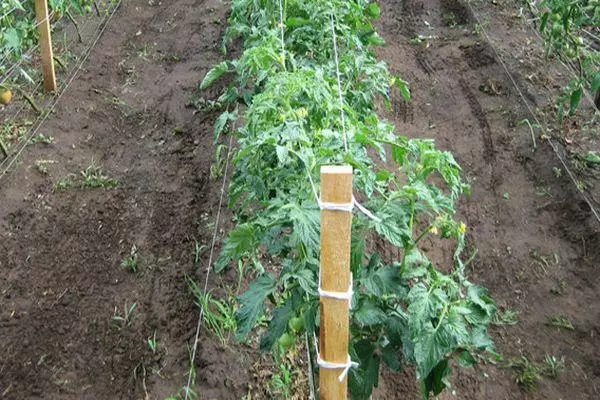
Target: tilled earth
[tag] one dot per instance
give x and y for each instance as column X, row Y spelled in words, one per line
column 61, row 280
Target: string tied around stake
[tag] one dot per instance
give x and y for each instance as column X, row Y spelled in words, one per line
column 343, row 296
column 329, row 365
column 347, row 207
column 345, row 367
column 346, row 296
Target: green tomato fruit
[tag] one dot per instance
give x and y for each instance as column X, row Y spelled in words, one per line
column 286, row 341
column 296, row 324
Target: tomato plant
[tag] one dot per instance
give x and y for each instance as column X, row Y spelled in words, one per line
column 570, row 28
column 406, row 310
column 18, row 31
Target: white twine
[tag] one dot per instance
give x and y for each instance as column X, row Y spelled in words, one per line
column 339, row 82
column 281, row 27
column 345, row 207
column 331, row 365
column 346, row 296
column 366, row 212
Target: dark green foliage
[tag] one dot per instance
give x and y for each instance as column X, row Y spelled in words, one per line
column 405, row 311
column 566, row 27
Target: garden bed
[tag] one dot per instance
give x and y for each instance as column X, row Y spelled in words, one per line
column 128, row 112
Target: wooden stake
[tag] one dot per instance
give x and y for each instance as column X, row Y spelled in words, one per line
column 336, row 187
column 41, row 14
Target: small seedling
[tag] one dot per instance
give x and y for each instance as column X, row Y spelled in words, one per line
column 131, row 261
column 554, row 366
column 283, row 380
column 506, row 317
column 562, row 288
column 144, row 51
column 532, row 128
column 198, row 249
column 152, row 343
column 557, row 172
column 219, row 315
column 40, row 138
column 63, row 184
column 449, row 19
column 204, row 105
column 94, row 177
column 543, row 191
column 544, row 261
column 217, row 168
column 124, row 320
column 42, row 166
column 527, row 374
column 187, row 392
column 592, row 157
column 560, row 321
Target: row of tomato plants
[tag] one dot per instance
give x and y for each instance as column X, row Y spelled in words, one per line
column 406, row 310
column 570, row 30
column 18, row 30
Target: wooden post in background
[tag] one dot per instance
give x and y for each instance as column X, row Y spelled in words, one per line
column 336, row 187
column 41, row 14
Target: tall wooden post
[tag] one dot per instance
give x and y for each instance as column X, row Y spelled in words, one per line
column 336, row 188
column 41, row 14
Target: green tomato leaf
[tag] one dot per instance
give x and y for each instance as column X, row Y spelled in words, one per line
column 596, row 82
column 366, row 376
column 222, row 123
column 278, row 325
column 374, row 39
column 12, row 40
column 369, row 313
column 383, row 281
column 241, row 241
column 404, row 88
column 544, row 21
column 373, row 11
column 481, row 340
column 282, row 154
column 592, row 157
column 479, row 297
column 215, row 73
column 423, row 305
column 394, row 224
column 466, row 359
column 357, row 253
column 574, row 100
column 306, row 225
column 431, row 346
column 396, row 329
column 252, row 304
column 391, row 356
column 436, row 381
column 415, row 264
column 295, row 22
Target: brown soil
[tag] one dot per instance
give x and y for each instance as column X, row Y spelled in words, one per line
column 61, row 281
column 520, row 213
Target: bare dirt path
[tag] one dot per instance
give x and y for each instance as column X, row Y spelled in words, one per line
column 61, row 282
column 537, row 240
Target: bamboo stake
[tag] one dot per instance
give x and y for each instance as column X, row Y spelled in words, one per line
column 336, row 187
column 41, row 14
